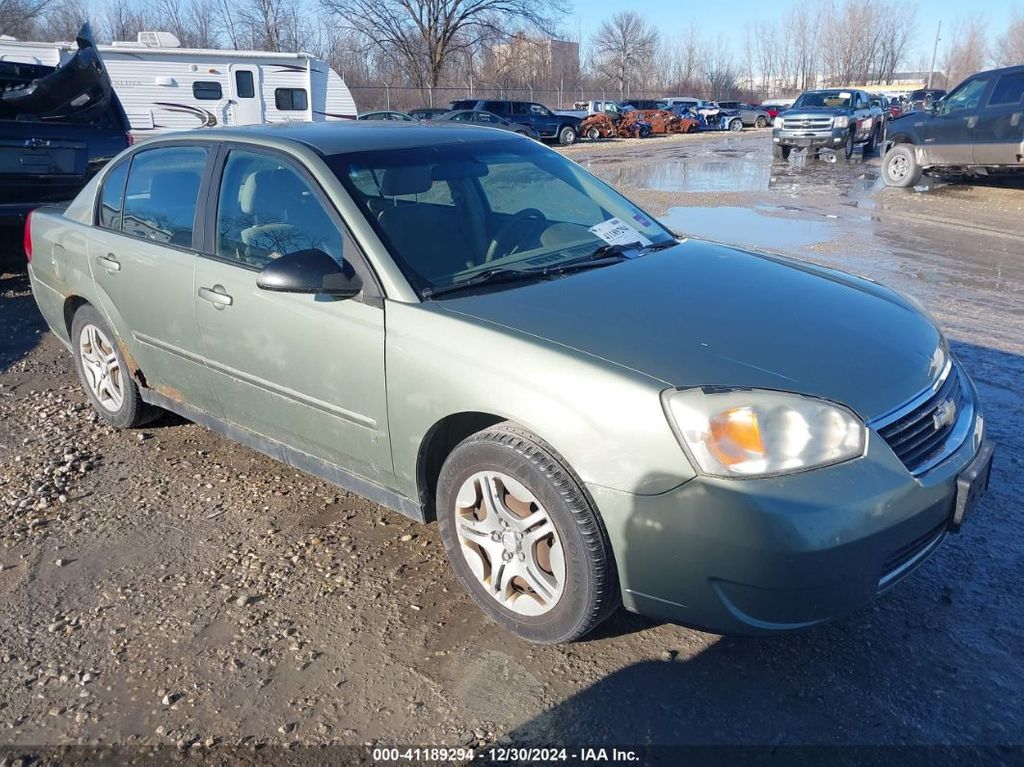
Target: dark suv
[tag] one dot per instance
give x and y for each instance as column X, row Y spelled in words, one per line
column 58, row 126
column 550, row 126
column 977, row 128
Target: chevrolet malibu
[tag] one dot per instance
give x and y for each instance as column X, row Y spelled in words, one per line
column 462, row 325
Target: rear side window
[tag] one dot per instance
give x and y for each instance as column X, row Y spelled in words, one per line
column 161, row 194
column 291, row 99
column 244, row 84
column 1009, row 90
column 207, row 91
column 112, row 198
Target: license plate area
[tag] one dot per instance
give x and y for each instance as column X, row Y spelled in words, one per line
column 971, row 484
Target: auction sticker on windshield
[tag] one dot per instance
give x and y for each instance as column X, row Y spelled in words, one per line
column 614, row 231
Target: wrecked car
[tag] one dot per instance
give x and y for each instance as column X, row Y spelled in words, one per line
column 465, row 326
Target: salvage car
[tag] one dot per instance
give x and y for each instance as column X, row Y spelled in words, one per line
column 58, row 127
column 467, row 327
column 835, row 119
column 486, row 119
column 978, row 129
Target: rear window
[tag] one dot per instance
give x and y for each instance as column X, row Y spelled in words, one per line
column 207, row 91
column 161, row 194
column 291, row 99
column 1009, row 90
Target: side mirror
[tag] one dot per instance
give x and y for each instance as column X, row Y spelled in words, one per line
column 309, row 271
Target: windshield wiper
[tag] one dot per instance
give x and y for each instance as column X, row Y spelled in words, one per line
column 486, row 277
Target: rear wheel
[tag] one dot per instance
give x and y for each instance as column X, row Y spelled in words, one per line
column 522, row 537
column 567, row 135
column 900, row 167
column 762, row 122
column 104, row 374
column 593, row 134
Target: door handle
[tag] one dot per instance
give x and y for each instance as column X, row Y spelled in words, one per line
column 109, row 262
column 216, row 296
column 972, row 121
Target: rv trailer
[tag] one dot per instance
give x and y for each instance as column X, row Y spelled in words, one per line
column 164, row 87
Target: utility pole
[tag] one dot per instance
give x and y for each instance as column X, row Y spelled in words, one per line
column 935, row 50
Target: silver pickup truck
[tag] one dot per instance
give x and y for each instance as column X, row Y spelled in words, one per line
column 836, row 119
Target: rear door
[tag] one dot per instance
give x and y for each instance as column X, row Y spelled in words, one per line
column 950, row 130
column 246, row 94
column 999, row 135
column 303, row 370
column 143, row 257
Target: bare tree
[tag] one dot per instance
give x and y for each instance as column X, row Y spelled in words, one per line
column 720, row 71
column 1010, row 47
column 18, row 17
column 622, row 46
column 191, row 21
column 966, row 52
column 124, row 19
column 428, row 36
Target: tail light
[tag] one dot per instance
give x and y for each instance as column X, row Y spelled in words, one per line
column 27, row 242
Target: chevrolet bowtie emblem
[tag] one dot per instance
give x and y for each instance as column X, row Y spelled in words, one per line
column 944, row 415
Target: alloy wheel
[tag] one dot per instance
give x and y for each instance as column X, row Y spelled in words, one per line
column 510, row 543
column 102, row 369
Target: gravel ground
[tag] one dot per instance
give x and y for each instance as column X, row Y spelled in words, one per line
column 167, row 587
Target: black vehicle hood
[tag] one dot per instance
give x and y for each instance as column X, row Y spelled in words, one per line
column 78, row 90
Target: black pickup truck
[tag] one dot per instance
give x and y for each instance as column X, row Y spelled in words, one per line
column 550, row 126
column 58, row 126
column 977, row 129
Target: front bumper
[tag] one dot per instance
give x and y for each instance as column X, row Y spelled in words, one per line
column 807, row 139
column 765, row 555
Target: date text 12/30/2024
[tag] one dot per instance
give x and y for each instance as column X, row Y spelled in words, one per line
column 505, row 754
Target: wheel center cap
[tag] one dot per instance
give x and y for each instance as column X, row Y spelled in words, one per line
column 510, row 540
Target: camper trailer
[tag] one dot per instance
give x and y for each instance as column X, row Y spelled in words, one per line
column 164, row 87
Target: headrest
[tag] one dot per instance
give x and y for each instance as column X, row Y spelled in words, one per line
column 267, row 191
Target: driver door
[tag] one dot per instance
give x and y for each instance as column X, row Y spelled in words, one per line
column 949, row 131
column 304, row 370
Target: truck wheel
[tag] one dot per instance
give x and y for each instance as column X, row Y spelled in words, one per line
column 845, row 153
column 736, row 125
column 762, row 122
column 567, row 135
column 780, row 152
column 523, row 538
column 900, row 167
column 101, row 368
column 872, row 142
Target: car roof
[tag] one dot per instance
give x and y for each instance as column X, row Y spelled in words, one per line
column 336, row 137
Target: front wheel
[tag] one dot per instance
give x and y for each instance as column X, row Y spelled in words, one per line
column 736, row 125
column 900, row 167
column 845, row 152
column 593, row 134
column 523, row 538
column 871, row 143
column 567, row 136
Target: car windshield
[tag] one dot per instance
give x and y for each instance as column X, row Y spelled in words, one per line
column 449, row 212
column 828, row 99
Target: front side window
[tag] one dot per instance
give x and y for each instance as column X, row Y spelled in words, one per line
column 112, row 198
column 244, row 84
column 1009, row 90
column 207, row 91
column 540, row 111
column 966, row 96
column 291, row 99
column 161, row 194
column 448, row 211
column 266, row 209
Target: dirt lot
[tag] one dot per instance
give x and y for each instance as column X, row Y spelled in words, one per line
column 169, row 587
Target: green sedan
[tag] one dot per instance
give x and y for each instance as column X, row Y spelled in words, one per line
column 464, row 326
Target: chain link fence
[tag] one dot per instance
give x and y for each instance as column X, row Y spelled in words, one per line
column 370, row 98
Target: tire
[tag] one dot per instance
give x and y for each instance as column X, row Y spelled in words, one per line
column 567, row 135
column 593, row 134
column 845, row 154
column 900, row 167
column 780, row 152
column 105, row 376
column 514, row 464
column 735, row 125
column 762, row 122
column 871, row 143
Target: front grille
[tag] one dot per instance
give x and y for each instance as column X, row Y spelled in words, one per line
column 931, row 426
column 904, row 558
column 807, row 123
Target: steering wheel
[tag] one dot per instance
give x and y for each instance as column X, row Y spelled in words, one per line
column 498, row 242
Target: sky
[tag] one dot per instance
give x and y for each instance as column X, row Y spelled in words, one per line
column 728, row 17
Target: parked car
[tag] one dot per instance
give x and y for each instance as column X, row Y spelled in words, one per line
column 466, row 326
column 426, row 114
column 895, row 107
column 58, row 127
column 645, row 103
column 922, row 100
column 976, row 128
column 387, row 115
column 476, row 117
column 835, row 119
column 880, row 108
column 550, row 126
column 750, row 115
column 584, row 109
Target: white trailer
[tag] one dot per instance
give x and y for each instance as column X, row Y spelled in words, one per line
column 164, row 87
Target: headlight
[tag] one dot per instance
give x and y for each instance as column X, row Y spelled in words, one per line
column 841, row 122
column 777, row 123
column 756, row 432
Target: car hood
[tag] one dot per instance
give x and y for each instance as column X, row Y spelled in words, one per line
column 706, row 314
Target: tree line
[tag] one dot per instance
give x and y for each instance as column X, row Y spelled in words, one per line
column 436, row 43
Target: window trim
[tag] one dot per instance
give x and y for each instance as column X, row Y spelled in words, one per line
column 199, row 218
column 291, row 99
column 995, row 85
column 97, row 202
column 251, row 84
column 372, row 292
column 220, row 90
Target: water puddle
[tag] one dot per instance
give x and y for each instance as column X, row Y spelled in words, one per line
column 758, row 227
